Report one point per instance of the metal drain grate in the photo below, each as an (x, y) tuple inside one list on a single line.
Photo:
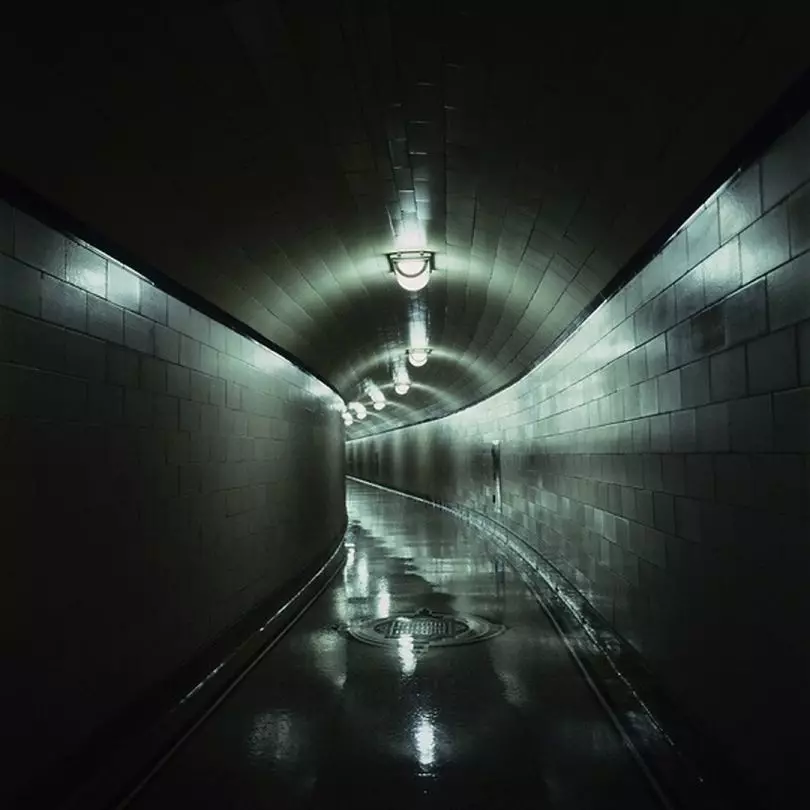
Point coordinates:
[(425, 628), (422, 627)]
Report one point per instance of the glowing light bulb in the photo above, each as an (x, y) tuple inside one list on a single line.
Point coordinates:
[(411, 268), (359, 409), (412, 274), (402, 382), (418, 357)]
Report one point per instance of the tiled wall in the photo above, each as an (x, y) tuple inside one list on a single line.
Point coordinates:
[(661, 459), (159, 473)]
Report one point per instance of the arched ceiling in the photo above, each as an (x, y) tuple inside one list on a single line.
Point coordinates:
[(267, 155)]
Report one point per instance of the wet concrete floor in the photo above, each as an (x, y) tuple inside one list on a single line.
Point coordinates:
[(325, 720)]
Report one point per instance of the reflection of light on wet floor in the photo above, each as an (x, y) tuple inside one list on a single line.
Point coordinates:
[(407, 656), (328, 651), (443, 570), (513, 689), (272, 738), (383, 599), (362, 577), (356, 574), (341, 607), (424, 738), (348, 567)]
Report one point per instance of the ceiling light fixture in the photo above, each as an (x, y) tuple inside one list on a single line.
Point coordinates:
[(417, 357), (359, 409), (412, 268), (376, 395), (402, 382)]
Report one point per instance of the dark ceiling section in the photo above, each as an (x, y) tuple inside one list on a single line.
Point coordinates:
[(267, 155)]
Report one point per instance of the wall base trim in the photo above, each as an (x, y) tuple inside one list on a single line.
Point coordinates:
[(118, 761), (683, 768)]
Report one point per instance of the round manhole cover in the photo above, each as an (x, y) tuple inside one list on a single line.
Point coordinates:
[(425, 628)]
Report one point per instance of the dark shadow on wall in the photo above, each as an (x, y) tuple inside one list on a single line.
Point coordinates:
[(158, 475)]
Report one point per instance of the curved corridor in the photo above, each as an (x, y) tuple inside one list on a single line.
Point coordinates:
[(546, 271), (324, 720)]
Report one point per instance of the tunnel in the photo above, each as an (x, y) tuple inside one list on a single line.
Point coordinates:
[(405, 405)]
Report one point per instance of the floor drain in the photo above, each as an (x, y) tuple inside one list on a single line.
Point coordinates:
[(424, 628)]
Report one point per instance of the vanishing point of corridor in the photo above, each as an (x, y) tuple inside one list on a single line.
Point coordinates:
[(327, 721)]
